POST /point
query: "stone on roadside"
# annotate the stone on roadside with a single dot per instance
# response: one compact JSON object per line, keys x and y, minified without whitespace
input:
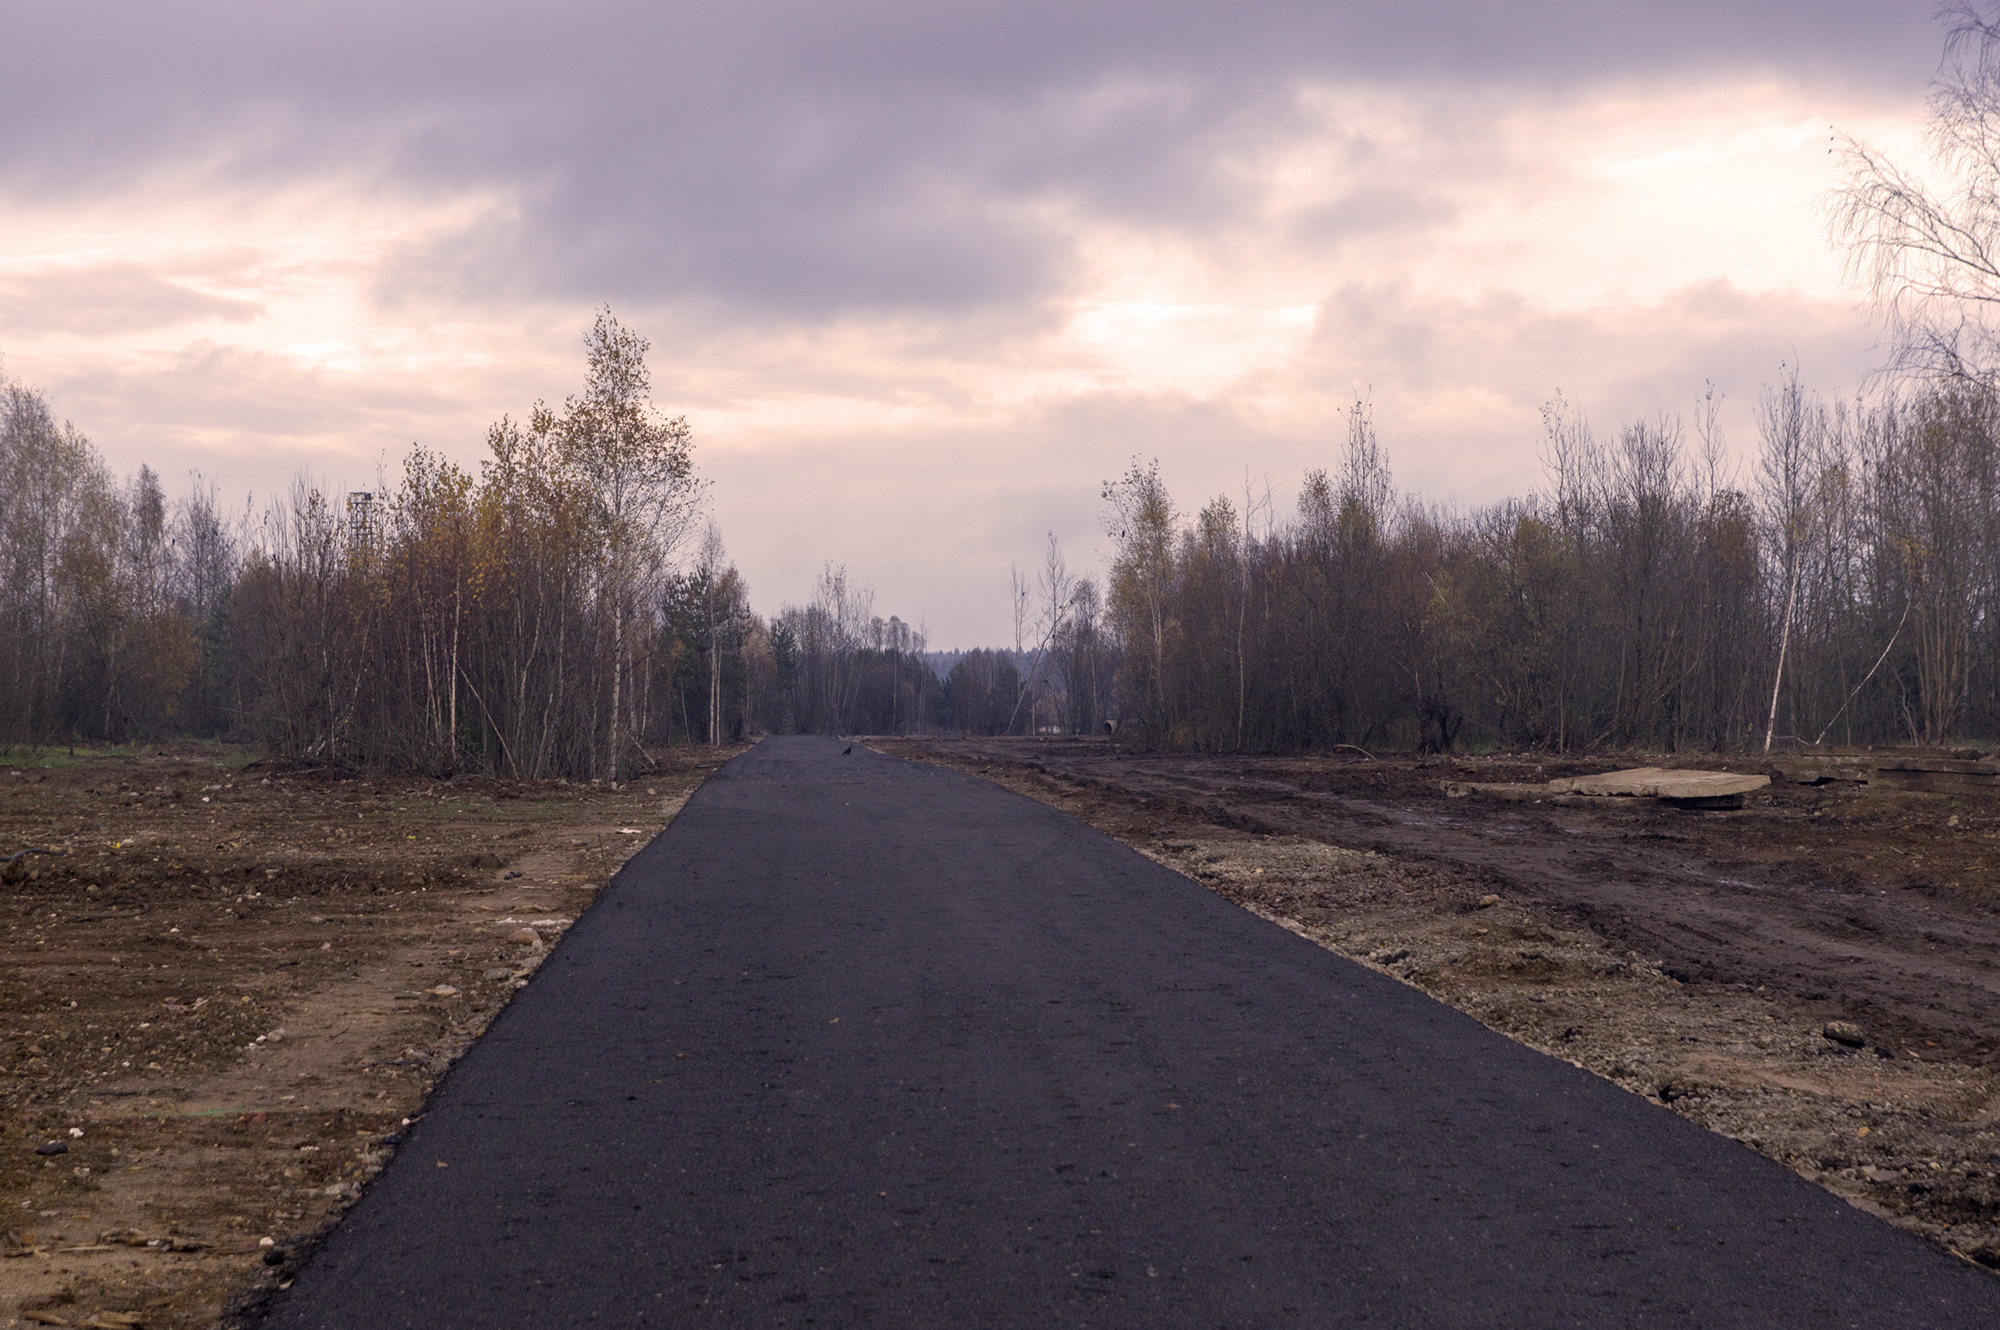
{"x":1680,"y":1087}
{"x":1845,"y":1033}
{"x":53,"y":1148}
{"x":527,"y":937}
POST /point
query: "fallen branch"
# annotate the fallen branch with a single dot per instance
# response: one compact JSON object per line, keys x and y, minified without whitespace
{"x":1871,"y":673}
{"x":507,"y":752}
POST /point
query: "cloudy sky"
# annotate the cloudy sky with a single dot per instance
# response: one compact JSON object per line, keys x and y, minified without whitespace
{"x":923,"y":276}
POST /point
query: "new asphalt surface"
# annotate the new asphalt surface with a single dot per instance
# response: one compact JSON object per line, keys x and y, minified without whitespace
{"x":858,"y":1041}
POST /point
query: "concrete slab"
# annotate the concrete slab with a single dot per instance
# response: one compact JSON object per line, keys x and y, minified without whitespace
{"x":1660,"y":783}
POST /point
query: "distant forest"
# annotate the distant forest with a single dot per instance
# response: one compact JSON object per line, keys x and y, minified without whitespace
{"x":1648,"y":599}
{"x":565,"y":607}
{"x":548,"y":617}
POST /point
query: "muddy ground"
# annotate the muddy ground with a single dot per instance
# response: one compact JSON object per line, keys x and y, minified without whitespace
{"x":1816,"y":974}
{"x":224,"y":994}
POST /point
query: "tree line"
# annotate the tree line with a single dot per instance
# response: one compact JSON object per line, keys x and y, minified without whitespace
{"x":563,"y":607}
{"x":1649,"y":597}
{"x":506,"y":621}
{"x":547,"y":616}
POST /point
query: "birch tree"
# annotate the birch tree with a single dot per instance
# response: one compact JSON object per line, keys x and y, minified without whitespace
{"x":638,"y":463}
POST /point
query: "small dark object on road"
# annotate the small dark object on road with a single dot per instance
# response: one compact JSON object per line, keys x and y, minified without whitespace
{"x":845,"y":751}
{"x":53,"y":1148}
{"x":275,"y":1256}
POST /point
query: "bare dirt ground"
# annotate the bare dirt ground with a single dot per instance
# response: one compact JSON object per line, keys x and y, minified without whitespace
{"x":1816,"y":974}
{"x":226,"y":992}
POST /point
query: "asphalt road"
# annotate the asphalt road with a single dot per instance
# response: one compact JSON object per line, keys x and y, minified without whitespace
{"x":864,"y":1042}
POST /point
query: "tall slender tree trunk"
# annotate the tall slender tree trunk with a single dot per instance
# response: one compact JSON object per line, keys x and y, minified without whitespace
{"x":617,"y":678}
{"x":457,"y":613}
{"x":714,"y":692}
{"x":1242,"y":665}
{"x":1784,"y":643}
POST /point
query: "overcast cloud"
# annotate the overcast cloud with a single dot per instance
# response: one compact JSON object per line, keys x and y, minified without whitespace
{"x":922,"y":276}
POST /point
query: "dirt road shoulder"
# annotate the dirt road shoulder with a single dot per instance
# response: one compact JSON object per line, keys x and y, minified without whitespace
{"x":228,"y":988}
